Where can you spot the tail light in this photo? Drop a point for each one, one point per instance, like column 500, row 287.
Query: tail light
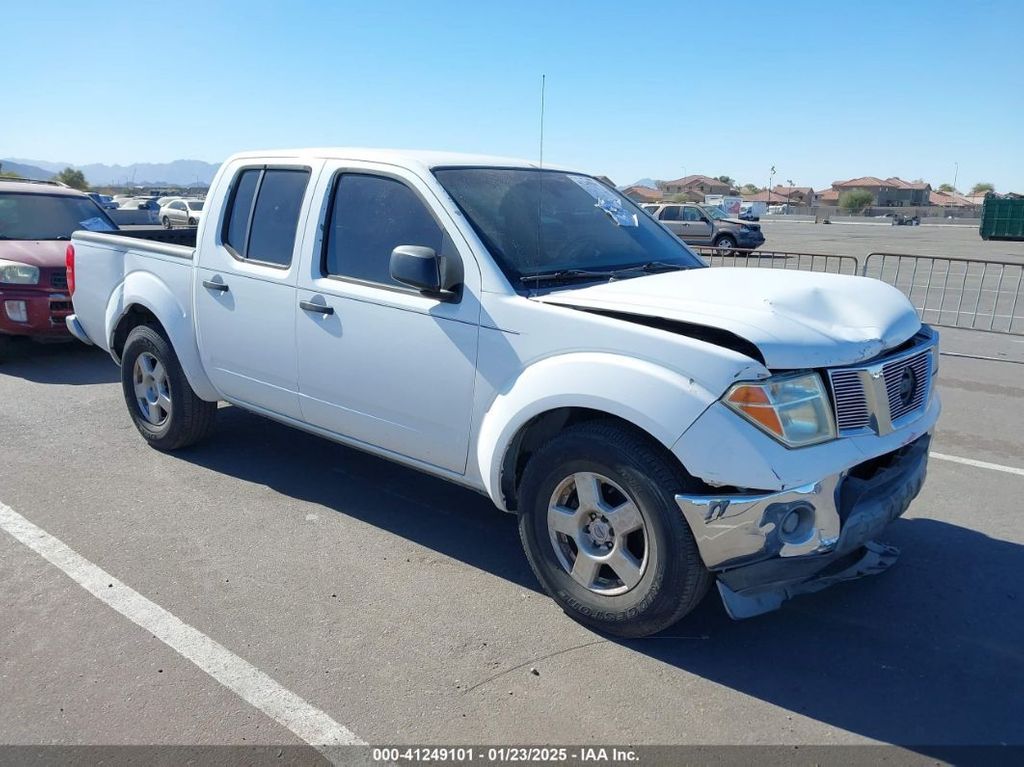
column 69, row 262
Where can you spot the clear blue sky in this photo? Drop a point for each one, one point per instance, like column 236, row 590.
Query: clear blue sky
column 821, row 90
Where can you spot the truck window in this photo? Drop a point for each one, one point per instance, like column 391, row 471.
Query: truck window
column 276, row 217
column 269, row 237
column 241, row 205
column 369, row 217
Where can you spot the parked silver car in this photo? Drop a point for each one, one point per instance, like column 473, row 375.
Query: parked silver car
column 181, row 213
column 707, row 225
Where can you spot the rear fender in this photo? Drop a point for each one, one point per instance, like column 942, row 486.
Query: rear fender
column 146, row 290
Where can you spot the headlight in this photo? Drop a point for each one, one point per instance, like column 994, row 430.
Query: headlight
column 793, row 408
column 13, row 273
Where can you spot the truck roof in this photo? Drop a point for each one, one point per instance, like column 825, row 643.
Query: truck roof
column 406, row 158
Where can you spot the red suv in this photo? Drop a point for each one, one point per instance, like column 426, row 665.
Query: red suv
column 36, row 221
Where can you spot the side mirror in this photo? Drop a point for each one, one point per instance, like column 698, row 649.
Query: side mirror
column 421, row 268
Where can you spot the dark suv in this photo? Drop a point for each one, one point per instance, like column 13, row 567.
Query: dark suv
column 707, row 225
column 36, row 222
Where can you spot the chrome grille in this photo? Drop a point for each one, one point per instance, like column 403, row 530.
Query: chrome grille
column 851, row 403
column 878, row 394
column 894, row 373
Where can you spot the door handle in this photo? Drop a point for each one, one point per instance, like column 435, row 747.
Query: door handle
column 219, row 286
column 309, row 306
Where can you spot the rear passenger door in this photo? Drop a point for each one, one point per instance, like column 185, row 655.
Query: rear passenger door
column 245, row 292
column 379, row 362
column 669, row 215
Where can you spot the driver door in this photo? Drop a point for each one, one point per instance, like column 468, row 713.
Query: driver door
column 379, row 362
column 697, row 228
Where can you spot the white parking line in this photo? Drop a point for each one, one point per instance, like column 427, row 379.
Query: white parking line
column 978, row 464
column 245, row 680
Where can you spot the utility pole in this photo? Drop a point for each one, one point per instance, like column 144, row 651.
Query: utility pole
column 956, row 172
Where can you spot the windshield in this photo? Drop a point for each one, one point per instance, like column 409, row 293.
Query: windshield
column 192, row 205
column 536, row 221
column 49, row 217
column 713, row 211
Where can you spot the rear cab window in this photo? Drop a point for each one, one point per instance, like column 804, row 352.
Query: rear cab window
column 263, row 214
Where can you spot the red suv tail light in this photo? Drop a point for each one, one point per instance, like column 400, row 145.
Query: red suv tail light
column 69, row 262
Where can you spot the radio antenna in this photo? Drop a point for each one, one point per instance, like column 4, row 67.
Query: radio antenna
column 543, row 79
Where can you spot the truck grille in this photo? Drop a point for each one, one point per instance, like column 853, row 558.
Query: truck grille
column 851, row 404
column 59, row 279
column 907, row 381
column 875, row 396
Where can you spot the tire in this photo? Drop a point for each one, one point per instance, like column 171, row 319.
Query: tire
column 661, row 580
column 6, row 344
column 172, row 416
column 166, row 222
column 191, row 222
column 726, row 245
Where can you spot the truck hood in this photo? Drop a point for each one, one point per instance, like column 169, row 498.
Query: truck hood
column 740, row 222
column 795, row 319
column 48, row 254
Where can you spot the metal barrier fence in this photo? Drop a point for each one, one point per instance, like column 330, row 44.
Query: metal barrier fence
column 780, row 259
column 947, row 292
column 956, row 292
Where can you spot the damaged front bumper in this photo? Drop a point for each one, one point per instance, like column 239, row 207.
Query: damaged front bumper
column 767, row 548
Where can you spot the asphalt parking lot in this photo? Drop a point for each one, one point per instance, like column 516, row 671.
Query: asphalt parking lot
column 860, row 239
column 403, row 609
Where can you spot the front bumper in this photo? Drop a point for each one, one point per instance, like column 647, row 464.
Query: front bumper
column 749, row 240
column 767, row 548
column 45, row 312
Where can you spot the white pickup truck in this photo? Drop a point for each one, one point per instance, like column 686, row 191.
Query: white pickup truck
column 530, row 333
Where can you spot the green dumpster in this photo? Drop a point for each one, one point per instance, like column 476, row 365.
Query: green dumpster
column 1002, row 219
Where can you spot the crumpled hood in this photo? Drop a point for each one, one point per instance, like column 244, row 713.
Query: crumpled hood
column 43, row 253
column 796, row 319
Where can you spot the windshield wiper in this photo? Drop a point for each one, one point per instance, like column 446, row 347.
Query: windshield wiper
column 662, row 266
column 564, row 274
column 650, row 268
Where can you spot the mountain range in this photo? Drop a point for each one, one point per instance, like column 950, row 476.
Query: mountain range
column 176, row 173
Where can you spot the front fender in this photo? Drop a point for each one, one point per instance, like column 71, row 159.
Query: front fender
column 146, row 290
column 659, row 401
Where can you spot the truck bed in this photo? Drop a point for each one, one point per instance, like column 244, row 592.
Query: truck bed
column 114, row 270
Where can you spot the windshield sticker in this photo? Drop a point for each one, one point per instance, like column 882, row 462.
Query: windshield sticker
column 606, row 201
column 96, row 224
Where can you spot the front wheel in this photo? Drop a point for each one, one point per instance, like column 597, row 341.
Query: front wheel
column 166, row 222
column 603, row 534
column 165, row 410
column 726, row 245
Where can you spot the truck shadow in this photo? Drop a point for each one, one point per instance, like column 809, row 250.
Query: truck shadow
column 70, row 363
column 445, row 517
column 931, row 652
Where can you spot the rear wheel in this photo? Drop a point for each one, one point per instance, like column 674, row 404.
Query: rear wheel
column 191, row 222
column 165, row 410
column 166, row 222
column 603, row 534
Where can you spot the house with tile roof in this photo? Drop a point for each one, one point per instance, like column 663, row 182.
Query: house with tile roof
column 643, row 194
column 892, row 192
column 696, row 186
